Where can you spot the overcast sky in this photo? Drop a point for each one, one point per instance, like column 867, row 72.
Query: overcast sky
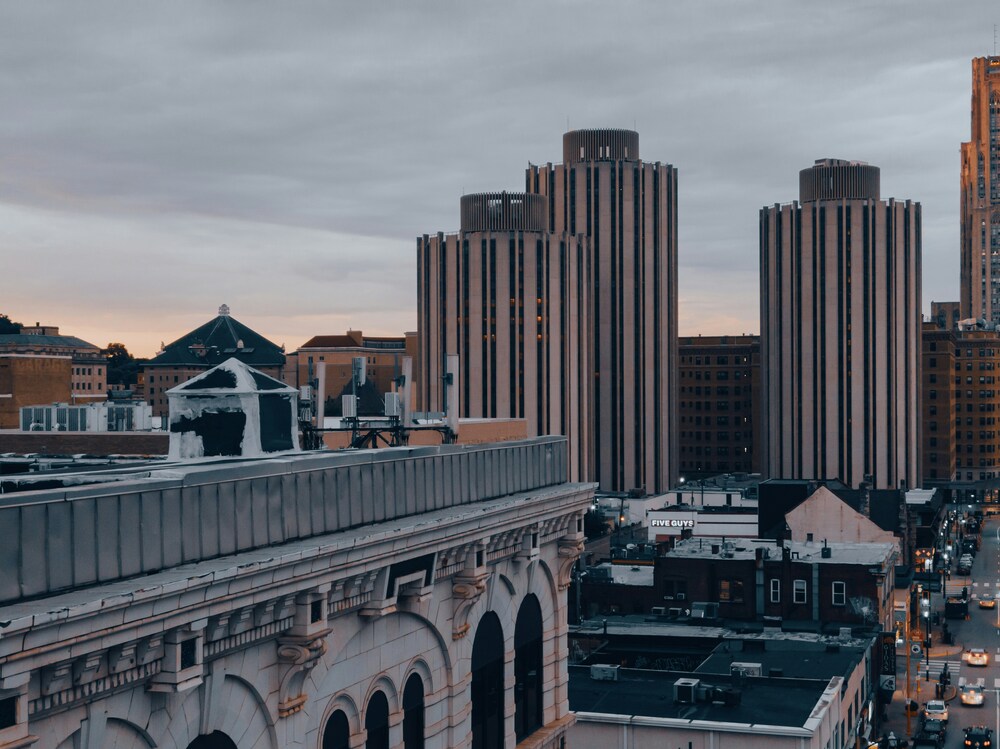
column 158, row 160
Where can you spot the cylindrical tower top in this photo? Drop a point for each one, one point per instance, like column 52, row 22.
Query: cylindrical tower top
column 504, row 211
column 604, row 144
column 837, row 179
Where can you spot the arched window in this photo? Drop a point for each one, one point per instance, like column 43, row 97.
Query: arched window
column 528, row 669
column 413, row 713
column 377, row 722
column 337, row 734
column 487, row 684
column 214, row 740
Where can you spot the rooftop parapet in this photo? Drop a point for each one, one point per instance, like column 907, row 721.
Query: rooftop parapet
column 504, row 211
column 603, row 144
column 99, row 528
column 839, row 179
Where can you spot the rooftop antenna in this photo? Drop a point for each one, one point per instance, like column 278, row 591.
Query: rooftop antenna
column 994, row 40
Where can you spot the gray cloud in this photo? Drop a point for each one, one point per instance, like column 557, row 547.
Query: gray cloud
column 157, row 158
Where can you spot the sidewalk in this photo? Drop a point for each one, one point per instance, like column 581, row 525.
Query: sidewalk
column 895, row 710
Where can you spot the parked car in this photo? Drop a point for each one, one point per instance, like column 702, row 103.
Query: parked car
column 936, row 709
column 971, row 694
column 976, row 657
column 978, row 737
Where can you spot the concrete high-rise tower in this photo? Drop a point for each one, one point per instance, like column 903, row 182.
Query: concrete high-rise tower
column 627, row 209
column 840, row 330
column 980, row 209
column 511, row 299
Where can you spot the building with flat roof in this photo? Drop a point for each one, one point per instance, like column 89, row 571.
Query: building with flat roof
column 627, row 210
column 719, row 405
column 795, row 691
column 88, row 382
column 508, row 298
column 840, row 331
column 30, row 379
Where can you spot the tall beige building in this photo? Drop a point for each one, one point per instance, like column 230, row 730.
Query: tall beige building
column 511, row 299
column 840, row 330
column 980, row 209
column 561, row 304
column 627, row 209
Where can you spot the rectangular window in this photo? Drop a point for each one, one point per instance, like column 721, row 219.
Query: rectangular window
column 839, row 594
column 730, row 591
column 799, row 591
column 775, row 590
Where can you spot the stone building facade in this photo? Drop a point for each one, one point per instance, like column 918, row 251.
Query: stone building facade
column 400, row 597
column 980, row 201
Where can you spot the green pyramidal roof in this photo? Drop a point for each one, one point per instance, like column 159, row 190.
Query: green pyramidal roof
column 216, row 341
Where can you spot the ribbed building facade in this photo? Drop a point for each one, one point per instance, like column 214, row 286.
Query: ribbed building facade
column 627, row 210
column 512, row 300
column 841, row 331
column 980, row 207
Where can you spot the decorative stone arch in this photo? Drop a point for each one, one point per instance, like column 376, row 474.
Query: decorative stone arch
column 123, row 726
column 232, row 724
column 487, row 688
column 543, row 586
column 201, row 713
column 109, row 733
column 324, row 682
column 382, row 683
column 419, row 667
column 346, row 705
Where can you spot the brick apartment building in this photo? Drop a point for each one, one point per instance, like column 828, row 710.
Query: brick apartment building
column 719, row 405
column 749, row 579
column 87, row 379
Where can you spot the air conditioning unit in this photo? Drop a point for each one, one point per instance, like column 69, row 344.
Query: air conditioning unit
column 392, row 404
column 685, row 691
column 680, row 596
column 659, row 610
column 349, row 406
column 746, row 669
column 604, row 673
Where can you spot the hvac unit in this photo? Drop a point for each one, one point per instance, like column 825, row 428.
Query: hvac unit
column 685, row 691
column 604, row 673
column 746, row 669
column 659, row 611
column 392, row 405
column 349, row 406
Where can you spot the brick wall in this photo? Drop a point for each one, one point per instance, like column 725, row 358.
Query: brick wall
column 77, row 443
column 30, row 381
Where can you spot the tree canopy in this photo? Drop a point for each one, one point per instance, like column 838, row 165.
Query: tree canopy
column 123, row 368
column 8, row 326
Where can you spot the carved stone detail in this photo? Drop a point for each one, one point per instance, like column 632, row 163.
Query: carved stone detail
column 570, row 549
column 466, row 591
column 299, row 655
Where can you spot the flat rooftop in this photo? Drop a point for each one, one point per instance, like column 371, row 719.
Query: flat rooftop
column 781, row 702
column 796, row 658
column 802, row 551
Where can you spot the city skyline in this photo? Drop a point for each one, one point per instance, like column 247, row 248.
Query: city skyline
column 161, row 163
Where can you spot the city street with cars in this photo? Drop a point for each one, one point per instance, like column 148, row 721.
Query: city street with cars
column 971, row 697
